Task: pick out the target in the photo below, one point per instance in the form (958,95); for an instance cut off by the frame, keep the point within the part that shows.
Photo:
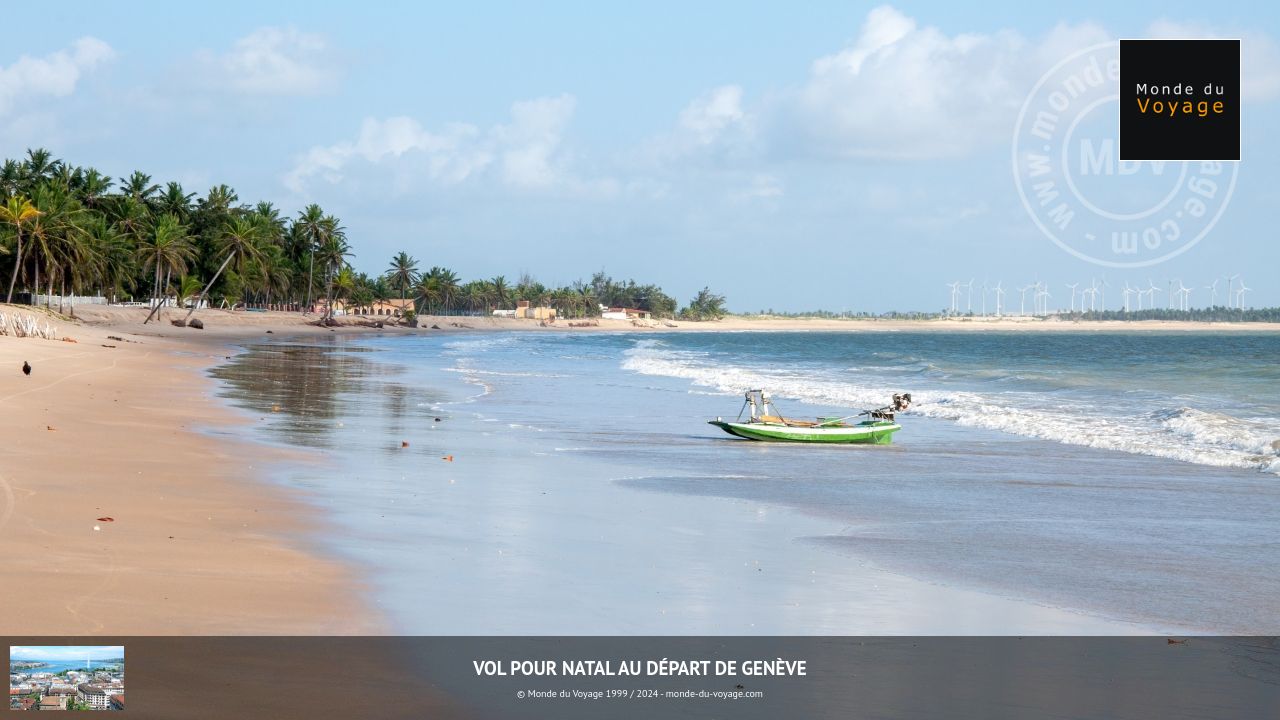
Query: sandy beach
(240,324)
(116,425)
(118,515)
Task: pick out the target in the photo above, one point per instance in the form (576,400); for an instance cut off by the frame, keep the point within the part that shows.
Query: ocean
(567,483)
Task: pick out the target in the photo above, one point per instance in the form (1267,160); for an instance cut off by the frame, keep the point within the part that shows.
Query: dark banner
(678,677)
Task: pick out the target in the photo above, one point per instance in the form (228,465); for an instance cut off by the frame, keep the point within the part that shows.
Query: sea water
(569,483)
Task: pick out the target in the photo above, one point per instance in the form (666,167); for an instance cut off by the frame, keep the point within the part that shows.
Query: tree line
(70,230)
(75,230)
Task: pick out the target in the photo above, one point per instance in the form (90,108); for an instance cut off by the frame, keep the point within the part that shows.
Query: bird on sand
(26,368)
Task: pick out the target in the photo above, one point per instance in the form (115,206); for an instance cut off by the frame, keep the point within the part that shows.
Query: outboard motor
(901,402)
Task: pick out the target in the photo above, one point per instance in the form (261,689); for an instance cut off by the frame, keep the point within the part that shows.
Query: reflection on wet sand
(308,387)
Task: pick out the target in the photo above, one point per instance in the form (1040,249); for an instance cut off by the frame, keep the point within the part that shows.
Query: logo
(1072,182)
(1180,99)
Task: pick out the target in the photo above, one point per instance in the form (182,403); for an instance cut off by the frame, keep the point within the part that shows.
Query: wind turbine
(1240,294)
(1151,294)
(1230,280)
(1073,287)
(999,298)
(955,291)
(984,297)
(1103,290)
(1127,292)
(1042,294)
(968,309)
(1213,290)
(1022,303)
(1184,296)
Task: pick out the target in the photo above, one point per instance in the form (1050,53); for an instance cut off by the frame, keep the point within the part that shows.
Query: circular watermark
(1083,197)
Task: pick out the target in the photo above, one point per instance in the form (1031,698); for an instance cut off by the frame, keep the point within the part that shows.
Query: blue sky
(758,149)
(65,652)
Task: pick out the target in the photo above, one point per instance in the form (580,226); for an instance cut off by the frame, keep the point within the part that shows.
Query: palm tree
(332,256)
(175,201)
(10,178)
(92,188)
(426,293)
(115,254)
(188,286)
(449,286)
(501,293)
(314,229)
(17,211)
(55,237)
(446,285)
(403,273)
(38,167)
(345,284)
(168,249)
(239,243)
(139,187)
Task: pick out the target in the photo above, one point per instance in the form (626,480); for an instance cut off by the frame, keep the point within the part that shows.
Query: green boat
(765,423)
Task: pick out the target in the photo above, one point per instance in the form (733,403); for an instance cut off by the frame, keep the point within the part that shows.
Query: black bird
(26,368)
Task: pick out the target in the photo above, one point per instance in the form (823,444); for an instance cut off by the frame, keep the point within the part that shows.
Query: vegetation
(68,230)
(439,291)
(73,230)
(706,306)
(1211,314)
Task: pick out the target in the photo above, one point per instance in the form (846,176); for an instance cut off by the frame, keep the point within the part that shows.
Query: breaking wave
(1179,433)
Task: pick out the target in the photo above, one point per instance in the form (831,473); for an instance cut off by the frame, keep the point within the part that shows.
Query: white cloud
(1259,57)
(54,75)
(274,61)
(524,153)
(903,90)
(708,116)
(529,143)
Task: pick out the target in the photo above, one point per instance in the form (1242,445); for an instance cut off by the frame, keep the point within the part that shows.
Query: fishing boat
(765,422)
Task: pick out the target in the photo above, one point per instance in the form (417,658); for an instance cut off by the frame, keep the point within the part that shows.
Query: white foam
(1182,433)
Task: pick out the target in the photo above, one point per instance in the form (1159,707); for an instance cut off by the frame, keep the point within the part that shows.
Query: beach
(269,476)
(127,511)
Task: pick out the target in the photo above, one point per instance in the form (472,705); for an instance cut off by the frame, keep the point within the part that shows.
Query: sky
(65,652)
(842,156)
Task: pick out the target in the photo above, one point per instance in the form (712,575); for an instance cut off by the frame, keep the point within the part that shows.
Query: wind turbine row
(1093,297)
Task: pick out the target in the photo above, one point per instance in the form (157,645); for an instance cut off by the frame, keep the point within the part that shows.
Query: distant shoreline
(242,322)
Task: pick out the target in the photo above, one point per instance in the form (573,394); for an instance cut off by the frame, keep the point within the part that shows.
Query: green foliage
(75,230)
(705,306)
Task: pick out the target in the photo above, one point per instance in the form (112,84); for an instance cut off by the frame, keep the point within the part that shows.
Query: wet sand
(122,513)
(200,541)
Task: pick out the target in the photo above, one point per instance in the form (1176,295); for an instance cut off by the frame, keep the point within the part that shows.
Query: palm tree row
(74,229)
(439,291)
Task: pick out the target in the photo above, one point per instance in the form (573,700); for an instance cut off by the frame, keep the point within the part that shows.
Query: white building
(93,696)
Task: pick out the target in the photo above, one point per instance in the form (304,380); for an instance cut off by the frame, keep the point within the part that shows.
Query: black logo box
(1205,73)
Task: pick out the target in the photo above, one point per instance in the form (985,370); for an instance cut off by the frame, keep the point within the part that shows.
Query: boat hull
(878,434)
